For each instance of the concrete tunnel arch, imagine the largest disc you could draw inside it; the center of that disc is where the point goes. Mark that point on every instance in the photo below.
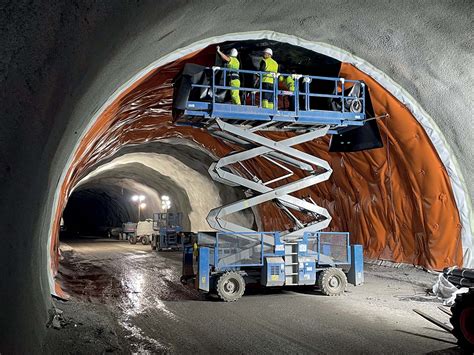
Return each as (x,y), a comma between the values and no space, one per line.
(435,135)
(77,63)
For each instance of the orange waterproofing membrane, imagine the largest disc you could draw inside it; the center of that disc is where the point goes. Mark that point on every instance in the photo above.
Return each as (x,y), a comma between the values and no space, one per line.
(396,201)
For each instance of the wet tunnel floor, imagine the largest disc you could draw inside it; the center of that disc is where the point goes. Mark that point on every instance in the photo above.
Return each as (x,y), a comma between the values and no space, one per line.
(128,299)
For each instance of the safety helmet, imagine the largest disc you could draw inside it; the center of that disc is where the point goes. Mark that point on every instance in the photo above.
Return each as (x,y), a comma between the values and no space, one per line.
(268,50)
(233,52)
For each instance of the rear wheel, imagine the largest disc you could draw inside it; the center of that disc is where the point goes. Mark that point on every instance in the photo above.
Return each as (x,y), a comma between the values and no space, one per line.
(463,320)
(145,240)
(230,286)
(132,240)
(332,282)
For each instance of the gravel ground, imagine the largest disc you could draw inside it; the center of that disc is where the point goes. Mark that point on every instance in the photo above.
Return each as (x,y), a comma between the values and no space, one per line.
(128,299)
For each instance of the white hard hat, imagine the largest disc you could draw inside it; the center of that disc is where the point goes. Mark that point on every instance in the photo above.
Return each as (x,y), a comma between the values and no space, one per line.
(233,52)
(268,50)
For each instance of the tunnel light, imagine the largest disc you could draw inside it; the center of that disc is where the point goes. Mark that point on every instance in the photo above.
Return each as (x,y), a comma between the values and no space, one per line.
(142,205)
(141,197)
(135,198)
(165,202)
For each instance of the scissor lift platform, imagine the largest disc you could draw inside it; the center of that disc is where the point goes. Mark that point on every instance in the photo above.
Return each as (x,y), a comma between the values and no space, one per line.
(242,127)
(300,116)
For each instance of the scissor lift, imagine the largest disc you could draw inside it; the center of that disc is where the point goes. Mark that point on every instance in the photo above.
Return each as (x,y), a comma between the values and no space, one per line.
(169,228)
(245,128)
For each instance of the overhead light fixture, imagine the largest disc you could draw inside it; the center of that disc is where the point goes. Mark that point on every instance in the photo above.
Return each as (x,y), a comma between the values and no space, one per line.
(165,202)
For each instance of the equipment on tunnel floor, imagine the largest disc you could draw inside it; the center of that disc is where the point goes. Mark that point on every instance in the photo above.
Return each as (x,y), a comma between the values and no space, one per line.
(170,231)
(141,232)
(128,230)
(228,261)
(145,231)
(461,315)
(300,255)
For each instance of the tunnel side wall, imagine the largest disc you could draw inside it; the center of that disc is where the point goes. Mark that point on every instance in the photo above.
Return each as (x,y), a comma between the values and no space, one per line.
(63,61)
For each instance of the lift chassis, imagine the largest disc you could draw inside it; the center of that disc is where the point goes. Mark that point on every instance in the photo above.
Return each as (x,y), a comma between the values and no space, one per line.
(226,261)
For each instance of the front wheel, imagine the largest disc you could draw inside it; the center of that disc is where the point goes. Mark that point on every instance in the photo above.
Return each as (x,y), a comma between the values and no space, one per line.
(332,282)
(145,240)
(462,320)
(132,240)
(230,286)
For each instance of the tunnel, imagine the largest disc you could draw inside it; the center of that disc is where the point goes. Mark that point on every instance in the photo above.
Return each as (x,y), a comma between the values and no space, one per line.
(88,124)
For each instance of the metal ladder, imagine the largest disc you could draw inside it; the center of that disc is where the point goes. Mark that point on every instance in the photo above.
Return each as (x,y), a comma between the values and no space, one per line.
(231,170)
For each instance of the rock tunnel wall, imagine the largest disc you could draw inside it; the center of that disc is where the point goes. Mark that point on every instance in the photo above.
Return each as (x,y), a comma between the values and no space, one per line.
(62,62)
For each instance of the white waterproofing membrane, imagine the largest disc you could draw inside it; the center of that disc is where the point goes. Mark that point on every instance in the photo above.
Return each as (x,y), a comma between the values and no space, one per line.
(437,138)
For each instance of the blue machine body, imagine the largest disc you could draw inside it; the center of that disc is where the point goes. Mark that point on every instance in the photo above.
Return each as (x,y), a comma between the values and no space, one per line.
(274,262)
(169,227)
(356,273)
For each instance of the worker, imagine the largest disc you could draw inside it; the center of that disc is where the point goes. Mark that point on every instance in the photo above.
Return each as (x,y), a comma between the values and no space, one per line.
(289,83)
(232,63)
(195,249)
(268,64)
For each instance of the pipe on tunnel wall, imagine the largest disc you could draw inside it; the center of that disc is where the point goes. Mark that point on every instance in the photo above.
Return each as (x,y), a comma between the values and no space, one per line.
(60,76)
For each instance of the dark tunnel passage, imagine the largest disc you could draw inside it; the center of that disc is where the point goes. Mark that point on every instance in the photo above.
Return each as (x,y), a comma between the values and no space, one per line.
(103,199)
(91,211)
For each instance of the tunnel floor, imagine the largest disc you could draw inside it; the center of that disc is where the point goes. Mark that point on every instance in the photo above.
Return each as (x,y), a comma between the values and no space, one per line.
(128,299)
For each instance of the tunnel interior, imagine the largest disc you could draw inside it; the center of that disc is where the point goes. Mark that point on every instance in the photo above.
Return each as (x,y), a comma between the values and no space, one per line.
(88,82)
(133,147)
(105,203)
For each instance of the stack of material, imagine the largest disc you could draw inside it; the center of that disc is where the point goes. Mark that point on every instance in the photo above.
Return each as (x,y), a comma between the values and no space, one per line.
(460,277)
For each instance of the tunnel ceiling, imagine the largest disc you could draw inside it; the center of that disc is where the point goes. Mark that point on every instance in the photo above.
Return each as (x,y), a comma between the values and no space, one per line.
(376,195)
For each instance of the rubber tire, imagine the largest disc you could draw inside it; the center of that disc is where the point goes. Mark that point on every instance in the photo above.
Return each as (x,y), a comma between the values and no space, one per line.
(464,307)
(325,277)
(144,240)
(238,286)
(132,240)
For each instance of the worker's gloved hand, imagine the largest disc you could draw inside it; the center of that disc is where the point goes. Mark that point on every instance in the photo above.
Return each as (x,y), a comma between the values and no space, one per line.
(218,48)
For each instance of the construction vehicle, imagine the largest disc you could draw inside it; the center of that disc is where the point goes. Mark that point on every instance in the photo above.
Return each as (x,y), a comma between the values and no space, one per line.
(141,232)
(462,311)
(129,230)
(169,231)
(234,256)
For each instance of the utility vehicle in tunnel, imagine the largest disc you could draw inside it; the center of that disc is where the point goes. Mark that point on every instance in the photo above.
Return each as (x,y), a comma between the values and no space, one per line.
(303,254)
(168,231)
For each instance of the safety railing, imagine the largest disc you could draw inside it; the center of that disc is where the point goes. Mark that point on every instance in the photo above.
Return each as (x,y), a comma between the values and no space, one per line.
(305,89)
(242,249)
(167,220)
(335,245)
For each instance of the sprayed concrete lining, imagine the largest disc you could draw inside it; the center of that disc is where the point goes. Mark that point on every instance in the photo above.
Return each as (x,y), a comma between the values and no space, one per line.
(57,78)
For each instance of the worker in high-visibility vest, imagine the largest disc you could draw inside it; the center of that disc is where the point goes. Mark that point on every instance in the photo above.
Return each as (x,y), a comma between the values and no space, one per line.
(232,63)
(289,84)
(268,64)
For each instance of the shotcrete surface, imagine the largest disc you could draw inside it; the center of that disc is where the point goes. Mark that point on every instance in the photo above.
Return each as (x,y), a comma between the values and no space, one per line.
(127,298)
